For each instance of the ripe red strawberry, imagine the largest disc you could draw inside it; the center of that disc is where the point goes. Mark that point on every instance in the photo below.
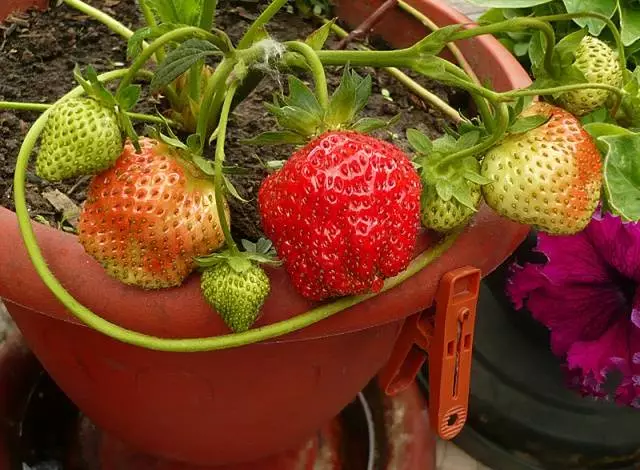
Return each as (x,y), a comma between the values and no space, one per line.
(148,216)
(343,214)
(549,177)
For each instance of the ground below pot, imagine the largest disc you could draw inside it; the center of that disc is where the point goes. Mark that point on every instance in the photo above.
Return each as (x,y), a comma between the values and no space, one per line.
(41,429)
(521,415)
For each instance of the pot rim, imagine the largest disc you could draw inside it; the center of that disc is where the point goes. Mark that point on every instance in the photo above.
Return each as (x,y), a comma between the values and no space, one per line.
(182,313)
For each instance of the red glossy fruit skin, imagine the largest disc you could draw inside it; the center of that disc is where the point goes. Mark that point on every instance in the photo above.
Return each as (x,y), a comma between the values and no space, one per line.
(149,215)
(343,214)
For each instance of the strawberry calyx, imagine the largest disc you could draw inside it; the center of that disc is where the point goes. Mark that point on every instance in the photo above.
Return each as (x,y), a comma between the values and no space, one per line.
(261,252)
(449,180)
(302,117)
(122,102)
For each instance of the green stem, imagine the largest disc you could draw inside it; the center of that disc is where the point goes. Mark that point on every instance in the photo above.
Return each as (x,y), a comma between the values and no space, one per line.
(393,58)
(219,161)
(151,22)
(208,15)
(178,345)
(41,107)
(619,93)
(610,24)
(455,51)
(215,84)
(146,54)
(195,80)
(317,70)
(110,22)
(481,103)
(408,82)
(509,95)
(461,80)
(262,20)
(502,124)
(514,25)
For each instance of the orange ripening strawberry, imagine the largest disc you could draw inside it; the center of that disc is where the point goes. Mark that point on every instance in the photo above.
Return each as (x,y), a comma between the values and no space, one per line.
(549,177)
(147,217)
(343,213)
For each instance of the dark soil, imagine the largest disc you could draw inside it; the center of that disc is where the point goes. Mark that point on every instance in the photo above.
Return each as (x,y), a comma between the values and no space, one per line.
(39,51)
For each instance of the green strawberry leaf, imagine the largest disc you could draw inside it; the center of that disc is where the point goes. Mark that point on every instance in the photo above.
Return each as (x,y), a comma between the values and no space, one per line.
(432,67)
(444,189)
(182,59)
(565,49)
(347,99)
(318,38)
(368,124)
(194,143)
(444,145)
(508,3)
(363,92)
(190,12)
(461,191)
(264,246)
(134,45)
(599,115)
(205,165)
(232,189)
(622,175)
(420,142)
(604,7)
(127,126)
(172,141)
(296,119)
(86,86)
(629,23)
(437,40)
(239,263)
(301,96)
(536,53)
(467,140)
(128,97)
(603,129)
(527,123)
(275,138)
(475,177)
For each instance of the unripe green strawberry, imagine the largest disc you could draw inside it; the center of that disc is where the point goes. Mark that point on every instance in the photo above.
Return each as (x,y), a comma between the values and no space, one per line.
(81,137)
(237,296)
(599,64)
(549,177)
(444,216)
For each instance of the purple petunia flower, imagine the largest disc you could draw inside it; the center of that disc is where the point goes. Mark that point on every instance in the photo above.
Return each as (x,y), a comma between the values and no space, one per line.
(587,294)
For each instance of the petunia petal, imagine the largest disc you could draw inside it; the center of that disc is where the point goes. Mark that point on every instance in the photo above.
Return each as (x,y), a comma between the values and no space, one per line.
(618,243)
(572,294)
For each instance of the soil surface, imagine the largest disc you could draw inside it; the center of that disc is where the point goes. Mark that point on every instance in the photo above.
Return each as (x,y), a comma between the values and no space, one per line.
(38,52)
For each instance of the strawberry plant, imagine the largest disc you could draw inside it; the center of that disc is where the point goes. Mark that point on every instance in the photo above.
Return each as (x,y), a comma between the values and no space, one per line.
(344,209)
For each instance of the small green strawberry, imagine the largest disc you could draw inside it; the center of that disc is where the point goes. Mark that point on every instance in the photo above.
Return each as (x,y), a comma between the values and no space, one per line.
(451,191)
(599,64)
(444,216)
(549,177)
(237,295)
(84,136)
(234,284)
(81,137)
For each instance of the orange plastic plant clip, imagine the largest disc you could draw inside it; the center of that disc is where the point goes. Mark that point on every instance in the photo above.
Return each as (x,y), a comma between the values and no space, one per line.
(451,350)
(447,339)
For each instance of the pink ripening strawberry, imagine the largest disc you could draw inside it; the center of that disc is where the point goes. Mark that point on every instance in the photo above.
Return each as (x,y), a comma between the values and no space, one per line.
(147,217)
(343,214)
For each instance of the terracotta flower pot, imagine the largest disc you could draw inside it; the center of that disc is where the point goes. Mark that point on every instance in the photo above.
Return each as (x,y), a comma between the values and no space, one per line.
(238,404)
(9,6)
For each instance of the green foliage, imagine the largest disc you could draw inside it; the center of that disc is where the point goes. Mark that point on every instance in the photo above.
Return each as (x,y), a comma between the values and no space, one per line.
(624,13)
